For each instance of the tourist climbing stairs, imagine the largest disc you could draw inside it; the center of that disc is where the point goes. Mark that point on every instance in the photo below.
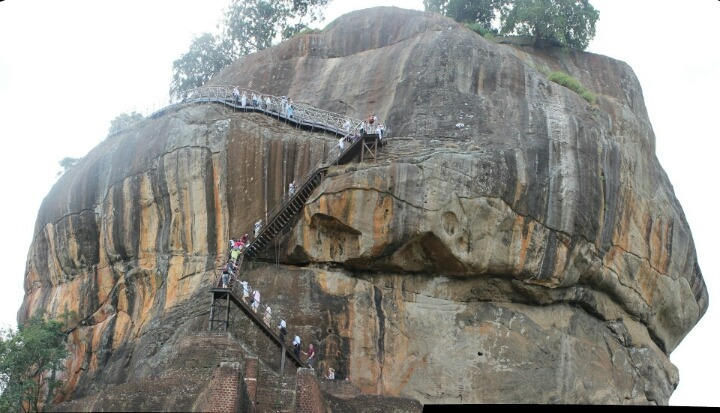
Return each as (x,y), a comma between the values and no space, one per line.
(290,208)
(220,319)
(362,146)
(294,204)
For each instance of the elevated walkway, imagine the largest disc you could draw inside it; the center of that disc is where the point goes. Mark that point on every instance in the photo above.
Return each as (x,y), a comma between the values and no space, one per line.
(295,120)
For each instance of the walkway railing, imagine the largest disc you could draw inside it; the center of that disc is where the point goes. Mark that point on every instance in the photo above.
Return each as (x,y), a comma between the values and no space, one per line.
(330,121)
(300,114)
(301,111)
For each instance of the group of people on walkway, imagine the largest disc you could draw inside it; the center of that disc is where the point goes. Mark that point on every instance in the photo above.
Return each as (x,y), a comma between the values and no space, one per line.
(230,268)
(242,99)
(286,107)
(371,125)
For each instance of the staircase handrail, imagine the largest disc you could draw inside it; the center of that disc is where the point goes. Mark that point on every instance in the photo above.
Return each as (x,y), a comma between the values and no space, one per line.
(328,120)
(280,205)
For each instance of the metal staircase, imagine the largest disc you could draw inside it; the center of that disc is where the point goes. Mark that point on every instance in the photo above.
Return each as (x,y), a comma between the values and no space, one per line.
(287,212)
(220,319)
(292,206)
(364,147)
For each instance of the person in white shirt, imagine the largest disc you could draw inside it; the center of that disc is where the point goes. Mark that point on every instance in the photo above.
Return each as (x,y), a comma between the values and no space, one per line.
(268,315)
(283,331)
(347,125)
(296,345)
(246,290)
(256,300)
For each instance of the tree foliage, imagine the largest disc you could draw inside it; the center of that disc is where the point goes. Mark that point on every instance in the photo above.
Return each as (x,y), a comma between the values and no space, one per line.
(569,23)
(248,26)
(124,120)
(207,55)
(67,163)
(481,12)
(29,358)
(252,25)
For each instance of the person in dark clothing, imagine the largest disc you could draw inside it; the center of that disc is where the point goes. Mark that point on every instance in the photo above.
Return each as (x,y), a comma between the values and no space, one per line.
(283,330)
(310,356)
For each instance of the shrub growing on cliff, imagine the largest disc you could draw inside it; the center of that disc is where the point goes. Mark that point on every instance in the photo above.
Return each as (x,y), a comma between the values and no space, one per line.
(29,358)
(67,163)
(572,84)
(569,23)
(481,30)
(124,120)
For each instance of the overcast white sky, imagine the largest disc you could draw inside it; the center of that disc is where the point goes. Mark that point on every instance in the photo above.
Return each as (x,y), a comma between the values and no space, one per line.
(68,67)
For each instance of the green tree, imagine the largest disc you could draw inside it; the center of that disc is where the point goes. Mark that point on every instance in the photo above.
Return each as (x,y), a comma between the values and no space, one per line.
(207,55)
(67,163)
(124,120)
(248,26)
(569,23)
(481,12)
(253,25)
(29,358)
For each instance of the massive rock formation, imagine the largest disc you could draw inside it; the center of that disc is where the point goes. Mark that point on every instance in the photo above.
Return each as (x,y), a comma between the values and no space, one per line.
(513,243)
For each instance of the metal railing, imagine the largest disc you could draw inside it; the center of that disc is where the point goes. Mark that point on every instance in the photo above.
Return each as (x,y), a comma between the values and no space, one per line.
(279,105)
(301,112)
(284,109)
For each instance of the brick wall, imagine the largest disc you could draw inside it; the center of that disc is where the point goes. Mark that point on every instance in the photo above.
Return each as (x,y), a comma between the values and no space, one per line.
(308,398)
(224,389)
(184,382)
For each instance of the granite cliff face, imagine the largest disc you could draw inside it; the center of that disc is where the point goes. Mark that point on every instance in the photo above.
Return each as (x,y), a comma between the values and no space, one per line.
(513,243)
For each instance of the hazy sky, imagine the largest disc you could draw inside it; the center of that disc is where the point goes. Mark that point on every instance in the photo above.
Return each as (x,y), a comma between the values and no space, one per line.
(68,67)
